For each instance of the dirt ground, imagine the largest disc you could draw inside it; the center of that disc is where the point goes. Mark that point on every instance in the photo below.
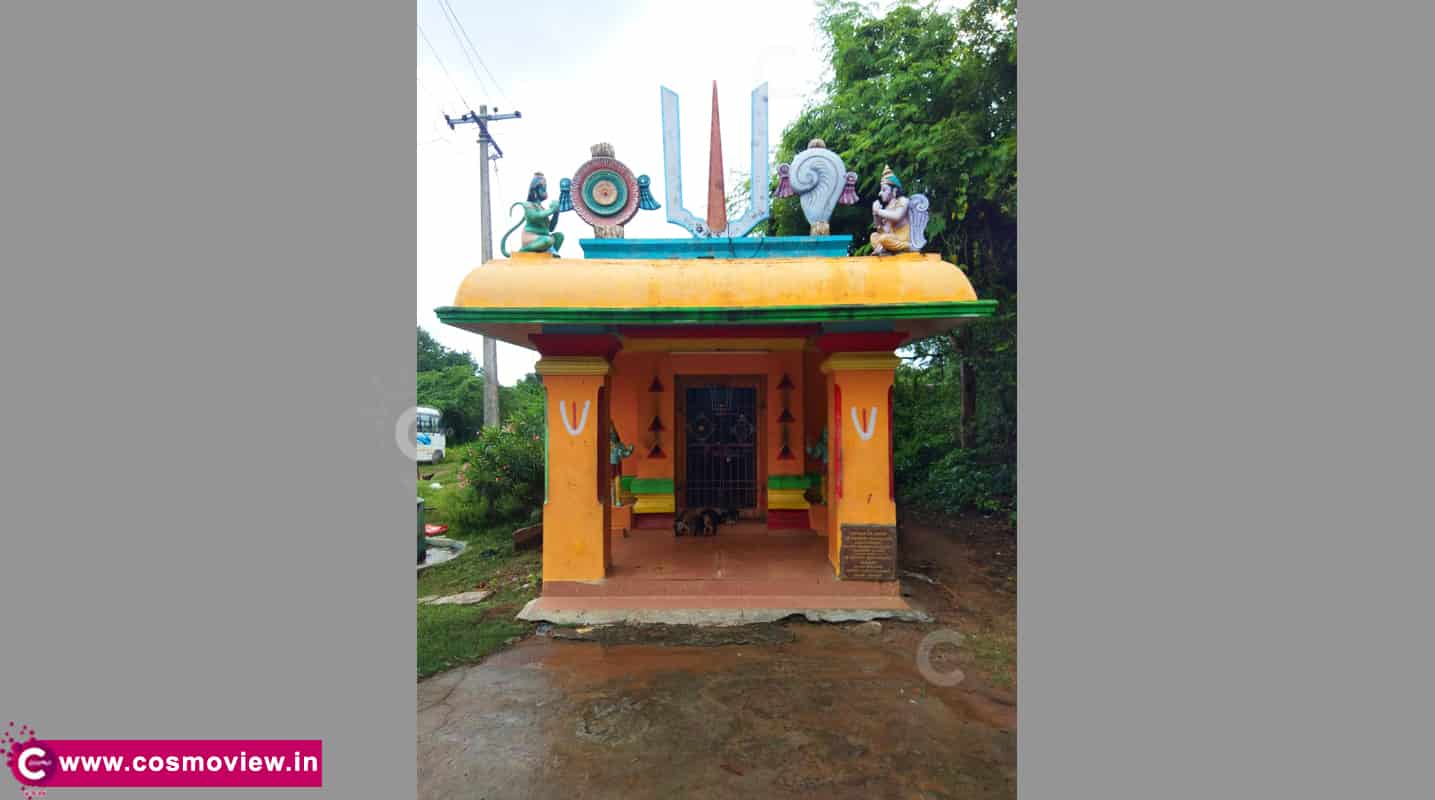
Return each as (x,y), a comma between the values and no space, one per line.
(788,710)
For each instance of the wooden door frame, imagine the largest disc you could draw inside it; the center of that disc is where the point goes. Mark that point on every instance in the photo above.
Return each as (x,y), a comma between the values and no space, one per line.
(681,383)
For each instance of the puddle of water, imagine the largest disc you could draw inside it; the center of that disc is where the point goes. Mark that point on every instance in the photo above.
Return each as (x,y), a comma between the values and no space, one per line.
(439,552)
(438,555)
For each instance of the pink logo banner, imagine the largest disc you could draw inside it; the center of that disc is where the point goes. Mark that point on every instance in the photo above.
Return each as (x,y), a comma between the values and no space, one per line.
(166,763)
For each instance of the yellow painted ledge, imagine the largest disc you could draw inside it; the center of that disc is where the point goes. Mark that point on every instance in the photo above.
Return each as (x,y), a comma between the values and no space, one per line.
(849,362)
(546,282)
(787,499)
(654,504)
(572,365)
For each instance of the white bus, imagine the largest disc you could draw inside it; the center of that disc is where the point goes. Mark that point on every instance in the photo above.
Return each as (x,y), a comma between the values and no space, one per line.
(430,435)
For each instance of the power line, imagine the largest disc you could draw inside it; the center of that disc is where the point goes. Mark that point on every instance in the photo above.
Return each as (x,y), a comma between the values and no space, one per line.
(433,99)
(466,38)
(427,90)
(450,17)
(472,47)
(430,94)
(443,66)
(435,125)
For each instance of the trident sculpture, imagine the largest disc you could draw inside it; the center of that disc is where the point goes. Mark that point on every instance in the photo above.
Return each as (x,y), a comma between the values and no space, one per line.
(716,223)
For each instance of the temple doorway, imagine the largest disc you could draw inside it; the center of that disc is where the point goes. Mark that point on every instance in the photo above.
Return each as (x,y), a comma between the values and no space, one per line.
(721,425)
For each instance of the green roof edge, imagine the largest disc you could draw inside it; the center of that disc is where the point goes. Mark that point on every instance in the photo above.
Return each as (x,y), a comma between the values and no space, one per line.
(458,315)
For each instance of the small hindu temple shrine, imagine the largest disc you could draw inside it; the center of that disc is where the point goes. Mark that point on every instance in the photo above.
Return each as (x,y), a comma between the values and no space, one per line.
(719,405)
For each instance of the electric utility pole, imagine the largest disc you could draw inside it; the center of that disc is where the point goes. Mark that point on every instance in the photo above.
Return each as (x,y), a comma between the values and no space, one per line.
(490,346)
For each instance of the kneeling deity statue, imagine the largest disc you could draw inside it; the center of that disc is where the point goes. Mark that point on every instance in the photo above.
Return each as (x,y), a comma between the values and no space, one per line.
(539,224)
(901,221)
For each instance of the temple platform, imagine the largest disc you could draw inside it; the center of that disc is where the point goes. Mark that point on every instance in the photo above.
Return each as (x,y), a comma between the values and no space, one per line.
(743,575)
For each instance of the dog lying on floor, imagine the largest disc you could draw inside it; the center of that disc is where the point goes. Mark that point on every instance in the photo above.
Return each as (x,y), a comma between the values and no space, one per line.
(697,522)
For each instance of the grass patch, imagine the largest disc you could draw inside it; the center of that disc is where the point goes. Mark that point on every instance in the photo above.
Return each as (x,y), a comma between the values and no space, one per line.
(449,636)
(488,563)
(994,654)
(445,474)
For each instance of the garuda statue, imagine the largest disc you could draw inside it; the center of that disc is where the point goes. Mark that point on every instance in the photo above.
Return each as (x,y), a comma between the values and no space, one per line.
(901,221)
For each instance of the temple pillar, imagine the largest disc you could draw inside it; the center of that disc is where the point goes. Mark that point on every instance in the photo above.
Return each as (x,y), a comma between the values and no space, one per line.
(861,502)
(576,505)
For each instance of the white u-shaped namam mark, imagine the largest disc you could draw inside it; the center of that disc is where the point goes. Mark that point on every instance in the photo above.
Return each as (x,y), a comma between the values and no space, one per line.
(582,420)
(865,433)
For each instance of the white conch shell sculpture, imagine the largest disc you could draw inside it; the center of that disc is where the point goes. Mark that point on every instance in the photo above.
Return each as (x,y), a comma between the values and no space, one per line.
(820,180)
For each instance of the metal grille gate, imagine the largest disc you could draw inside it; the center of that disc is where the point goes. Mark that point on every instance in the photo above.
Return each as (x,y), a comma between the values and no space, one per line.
(721,447)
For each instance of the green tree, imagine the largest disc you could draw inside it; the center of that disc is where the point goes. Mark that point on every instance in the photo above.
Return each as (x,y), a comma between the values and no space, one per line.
(433,355)
(457,392)
(932,93)
(452,382)
(522,404)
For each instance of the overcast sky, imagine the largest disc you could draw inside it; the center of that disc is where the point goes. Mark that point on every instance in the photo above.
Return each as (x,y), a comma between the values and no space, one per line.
(581,73)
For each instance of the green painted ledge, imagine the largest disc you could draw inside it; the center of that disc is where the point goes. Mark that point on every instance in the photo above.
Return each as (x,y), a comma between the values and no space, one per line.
(788,481)
(455,315)
(651,486)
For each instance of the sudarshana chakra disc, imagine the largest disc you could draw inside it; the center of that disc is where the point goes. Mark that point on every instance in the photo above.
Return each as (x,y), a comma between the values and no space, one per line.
(606,192)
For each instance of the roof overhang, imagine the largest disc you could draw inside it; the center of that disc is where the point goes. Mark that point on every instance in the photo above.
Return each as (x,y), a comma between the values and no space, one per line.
(510,300)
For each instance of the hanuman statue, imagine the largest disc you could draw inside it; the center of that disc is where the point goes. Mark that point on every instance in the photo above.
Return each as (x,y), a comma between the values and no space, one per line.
(539,223)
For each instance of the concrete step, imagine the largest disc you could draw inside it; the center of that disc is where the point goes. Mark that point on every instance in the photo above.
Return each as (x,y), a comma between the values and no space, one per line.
(788,587)
(715,609)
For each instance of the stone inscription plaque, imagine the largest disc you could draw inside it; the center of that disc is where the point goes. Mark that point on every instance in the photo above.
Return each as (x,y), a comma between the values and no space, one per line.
(869,552)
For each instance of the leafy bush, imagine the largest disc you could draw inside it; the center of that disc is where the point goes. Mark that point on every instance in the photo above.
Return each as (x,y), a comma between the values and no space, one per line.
(962,480)
(500,473)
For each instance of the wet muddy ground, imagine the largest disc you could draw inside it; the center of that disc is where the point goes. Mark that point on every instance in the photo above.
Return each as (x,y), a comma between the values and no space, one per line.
(787,710)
